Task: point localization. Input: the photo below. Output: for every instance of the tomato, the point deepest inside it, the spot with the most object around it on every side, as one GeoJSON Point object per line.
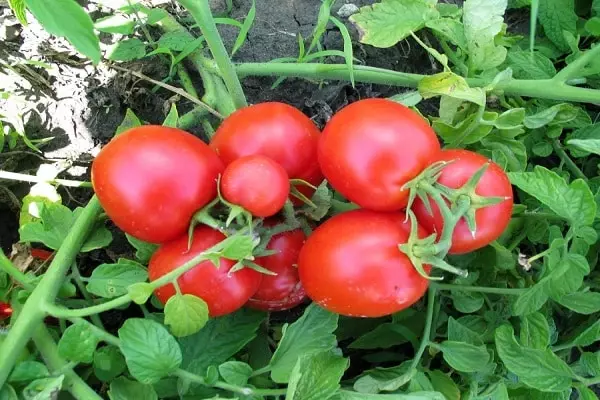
{"type": "Point", "coordinates": [491, 221]}
{"type": "Point", "coordinates": [152, 179]}
{"type": "Point", "coordinates": [276, 130]}
{"type": "Point", "coordinates": [351, 265]}
{"type": "Point", "coordinates": [5, 310]}
{"type": "Point", "coordinates": [371, 148]}
{"type": "Point", "coordinates": [223, 292]}
{"type": "Point", "coordinates": [257, 184]}
{"type": "Point", "coordinates": [41, 254]}
{"type": "Point", "coordinates": [284, 291]}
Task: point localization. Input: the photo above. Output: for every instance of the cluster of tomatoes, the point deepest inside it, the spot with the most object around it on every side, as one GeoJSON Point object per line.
{"type": "Point", "coordinates": [152, 180]}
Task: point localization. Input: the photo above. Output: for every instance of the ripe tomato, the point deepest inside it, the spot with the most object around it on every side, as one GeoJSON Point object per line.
{"type": "Point", "coordinates": [276, 130]}
{"type": "Point", "coordinates": [351, 265]}
{"type": "Point", "coordinates": [491, 221]}
{"type": "Point", "coordinates": [284, 291]}
{"type": "Point", "coordinates": [257, 184]}
{"type": "Point", "coordinates": [223, 292]}
{"type": "Point", "coordinates": [152, 179]}
{"type": "Point", "coordinates": [371, 148]}
{"type": "Point", "coordinates": [5, 310]}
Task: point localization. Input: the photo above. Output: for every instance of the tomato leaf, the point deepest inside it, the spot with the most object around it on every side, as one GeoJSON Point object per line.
{"type": "Point", "coordinates": [530, 65]}
{"type": "Point", "coordinates": [316, 376]}
{"type": "Point", "coordinates": [125, 389]}
{"type": "Point", "coordinates": [45, 388]}
{"type": "Point", "coordinates": [535, 331]}
{"type": "Point", "coordinates": [78, 343]}
{"type": "Point", "coordinates": [557, 16]}
{"type": "Point", "coordinates": [118, 23]}
{"type": "Point", "coordinates": [127, 50]}
{"type": "Point", "coordinates": [557, 114]}
{"type": "Point", "coordinates": [108, 363]}
{"type": "Point", "coordinates": [588, 336]}
{"type": "Point", "coordinates": [7, 392]}
{"type": "Point", "coordinates": [458, 332]}
{"type": "Point", "coordinates": [311, 333]}
{"type": "Point", "coordinates": [450, 84]}
{"type": "Point", "coordinates": [150, 351]}
{"type": "Point", "coordinates": [235, 372]}
{"type": "Point", "coordinates": [140, 292]}
{"type": "Point", "coordinates": [463, 356]}
{"type": "Point", "coordinates": [185, 314]}
{"type": "Point", "coordinates": [444, 384]}
{"type": "Point", "coordinates": [143, 249]}
{"type": "Point", "coordinates": [581, 302]}
{"type": "Point", "coordinates": [385, 24]}
{"type": "Point", "coordinates": [172, 117]}
{"type": "Point", "coordinates": [130, 121]}
{"type": "Point", "coordinates": [573, 201]}
{"type": "Point", "coordinates": [420, 395]}
{"type": "Point", "coordinates": [28, 371]}
{"type": "Point", "coordinates": [539, 369]}
{"type": "Point", "coordinates": [176, 40]}
{"type": "Point", "coordinates": [112, 280]}
{"type": "Point", "coordinates": [483, 20]}
{"type": "Point", "coordinates": [66, 18]}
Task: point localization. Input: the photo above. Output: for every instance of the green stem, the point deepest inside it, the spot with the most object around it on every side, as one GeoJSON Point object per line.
{"type": "Point", "coordinates": [564, 157]}
{"type": "Point", "coordinates": [86, 295]}
{"type": "Point", "coordinates": [192, 118]}
{"type": "Point", "coordinates": [573, 69]}
{"type": "Point", "coordinates": [479, 289]}
{"type": "Point", "coordinates": [46, 291]}
{"type": "Point", "coordinates": [7, 266]}
{"type": "Point", "coordinates": [36, 179]}
{"type": "Point", "coordinates": [246, 391]}
{"type": "Point", "coordinates": [186, 80]}
{"type": "Point", "coordinates": [426, 337]}
{"type": "Point", "coordinates": [200, 11]}
{"type": "Point", "coordinates": [49, 351]}
{"type": "Point", "coordinates": [62, 312]}
{"type": "Point", "coordinates": [542, 88]}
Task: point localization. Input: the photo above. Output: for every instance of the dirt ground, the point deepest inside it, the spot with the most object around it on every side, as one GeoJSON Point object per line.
{"type": "Point", "coordinates": [81, 105]}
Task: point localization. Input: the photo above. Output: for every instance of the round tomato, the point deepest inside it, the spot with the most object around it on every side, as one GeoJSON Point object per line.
{"type": "Point", "coordinates": [151, 180]}
{"type": "Point", "coordinates": [223, 292]}
{"type": "Point", "coordinates": [371, 148]}
{"type": "Point", "coordinates": [490, 221]}
{"type": "Point", "coordinates": [283, 291]}
{"type": "Point", "coordinates": [5, 310]}
{"type": "Point", "coordinates": [351, 265]}
{"type": "Point", "coordinates": [276, 130]}
{"type": "Point", "coordinates": [257, 184]}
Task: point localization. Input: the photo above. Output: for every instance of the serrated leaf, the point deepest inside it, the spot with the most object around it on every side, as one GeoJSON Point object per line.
{"type": "Point", "coordinates": [509, 154]}
{"type": "Point", "coordinates": [311, 333]}
{"type": "Point", "coordinates": [531, 300]}
{"type": "Point", "coordinates": [384, 379]}
{"type": "Point", "coordinates": [457, 332]}
{"type": "Point", "coordinates": [386, 23]}
{"type": "Point", "coordinates": [483, 21]}
{"type": "Point", "coordinates": [574, 201]}
{"type": "Point", "coordinates": [530, 65]}
{"type": "Point", "coordinates": [450, 84]}
{"type": "Point", "coordinates": [535, 331]}
{"type": "Point", "coordinates": [235, 372]}
{"type": "Point", "coordinates": [127, 50]}
{"type": "Point", "coordinates": [185, 314]}
{"type": "Point", "coordinates": [557, 114]}
{"type": "Point", "coordinates": [125, 389]}
{"type": "Point", "coordinates": [150, 351]}
{"type": "Point", "coordinates": [112, 280]}
{"type": "Point", "coordinates": [566, 276]}
{"type": "Point", "coordinates": [316, 376]}
{"type": "Point", "coordinates": [450, 29]}
{"type": "Point", "coordinates": [581, 302]}
{"type": "Point", "coordinates": [557, 16]}
{"type": "Point", "coordinates": [176, 40]}
{"type": "Point", "coordinates": [238, 247]}
{"type": "Point", "coordinates": [539, 369]}
{"type": "Point", "coordinates": [463, 356]}
{"type": "Point", "coordinates": [108, 363]}
{"type": "Point", "coordinates": [78, 343]}
{"type": "Point", "coordinates": [66, 18]}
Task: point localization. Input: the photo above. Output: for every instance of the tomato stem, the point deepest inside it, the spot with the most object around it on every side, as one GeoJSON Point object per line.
{"type": "Point", "coordinates": [564, 157]}
{"type": "Point", "coordinates": [426, 337]}
{"type": "Point", "coordinates": [480, 289]}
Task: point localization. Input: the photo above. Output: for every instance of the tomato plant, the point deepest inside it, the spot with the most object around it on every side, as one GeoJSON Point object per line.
{"type": "Point", "coordinates": [371, 148]}
{"type": "Point", "coordinates": [257, 184]}
{"type": "Point", "coordinates": [284, 290]}
{"type": "Point", "coordinates": [150, 181]}
{"type": "Point", "coordinates": [491, 220]}
{"type": "Point", "coordinates": [351, 265]}
{"type": "Point", "coordinates": [224, 292]}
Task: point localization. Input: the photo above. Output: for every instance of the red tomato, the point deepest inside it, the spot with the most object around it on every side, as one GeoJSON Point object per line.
{"type": "Point", "coordinates": [257, 184]}
{"type": "Point", "coordinates": [284, 291]}
{"type": "Point", "coordinates": [41, 254]}
{"type": "Point", "coordinates": [152, 179]}
{"type": "Point", "coordinates": [491, 221]}
{"type": "Point", "coordinates": [276, 130]}
{"type": "Point", "coordinates": [371, 148]}
{"type": "Point", "coordinates": [223, 292]}
{"type": "Point", "coordinates": [351, 265]}
{"type": "Point", "coordinates": [5, 310]}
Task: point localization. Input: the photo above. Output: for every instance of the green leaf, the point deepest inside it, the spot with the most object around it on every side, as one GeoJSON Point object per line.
{"type": "Point", "coordinates": [386, 23]}
{"type": "Point", "coordinates": [510, 119]}
{"type": "Point", "coordinates": [238, 247]}
{"type": "Point", "coordinates": [124, 389]}
{"type": "Point", "coordinates": [463, 356]}
{"type": "Point", "coordinates": [586, 393]}
{"type": "Point", "coordinates": [54, 226]}
{"type": "Point", "coordinates": [381, 337]}
{"type": "Point", "coordinates": [467, 131]}
{"type": "Point", "coordinates": [444, 384]}
{"type": "Point", "coordinates": [581, 302]}
{"type": "Point", "coordinates": [510, 154]}
{"type": "Point", "coordinates": [585, 134]}
{"type": "Point", "coordinates": [112, 280]}
{"type": "Point", "coordinates": [557, 16]}
{"type": "Point", "coordinates": [574, 201]}
{"type": "Point", "coordinates": [127, 50]}
{"type": "Point", "coordinates": [567, 276]}
{"type": "Point", "coordinates": [7, 392]}
{"type": "Point", "coordinates": [497, 392]}
{"type": "Point", "coordinates": [587, 145]}
{"type": "Point", "coordinates": [130, 121]}
{"type": "Point", "coordinates": [316, 376]}
{"type": "Point", "coordinates": [535, 331]}
{"type": "Point", "coordinates": [311, 333]}
{"type": "Point", "coordinates": [172, 117]}
{"type": "Point", "coordinates": [592, 25]}
{"type": "Point", "coordinates": [384, 379]}
{"type": "Point", "coordinates": [348, 395]}
{"type": "Point", "coordinates": [26, 371]}
{"type": "Point", "coordinates": [409, 99]}
{"type": "Point", "coordinates": [186, 314]}
{"type": "Point", "coordinates": [140, 292]}
{"type": "Point", "coordinates": [18, 8]}
{"type": "Point", "coordinates": [150, 351]}
{"type": "Point", "coordinates": [66, 18]}
{"type": "Point", "coordinates": [539, 369]}
{"type": "Point", "coordinates": [588, 336]}
{"type": "Point", "coordinates": [43, 389]}
{"type": "Point", "coordinates": [457, 332]}
{"type": "Point", "coordinates": [450, 84]}
{"type": "Point", "coordinates": [530, 65]}
{"type": "Point", "coordinates": [176, 40]}
{"type": "Point", "coordinates": [219, 340]}
{"type": "Point", "coordinates": [144, 250]}
{"type": "Point", "coordinates": [108, 363]}
{"type": "Point", "coordinates": [235, 372]}
{"type": "Point", "coordinates": [117, 23]}
{"type": "Point", "coordinates": [557, 114]}
{"type": "Point", "coordinates": [483, 21]}
{"type": "Point", "coordinates": [248, 21]}
{"type": "Point", "coordinates": [450, 29]}
{"type": "Point", "coordinates": [78, 343]}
